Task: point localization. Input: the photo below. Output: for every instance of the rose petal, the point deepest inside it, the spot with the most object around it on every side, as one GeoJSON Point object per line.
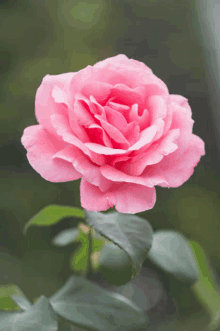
{"type": "Point", "coordinates": [123, 109]}
{"type": "Point", "coordinates": [119, 159]}
{"type": "Point", "coordinates": [83, 114]}
{"type": "Point", "coordinates": [61, 125]}
{"type": "Point", "coordinates": [59, 95]}
{"type": "Point", "coordinates": [77, 129]}
{"type": "Point", "coordinates": [136, 165]}
{"type": "Point", "coordinates": [182, 102]}
{"type": "Point", "coordinates": [179, 166]}
{"type": "Point", "coordinates": [182, 119]}
{"type": "Point", "coordinates": [116, 175]}
{"type": "Point", "coordinates": [135, 73]}
{"type": "Point", "coordinates": [99, 90]}
{"type": "Point", "coordinates": [116, 119]}
{"type": "Point", "coordinates": [157, 107]}
{"type": "Point", "coordinates": [118, 59]}
{"type": "Point", "coordinates": [145, 137]}
{"type": "Point", "coordinates": [142, 120]}
{"type": "Point", "coordinates": [127, 198]}
{"type": "Point", "coordinates": [41, 147]}
{"type": "Point", "coordinates": [129, 96]}
{"type": "Point", "coordinates": [113, 133]}
{"type": "Point", "coordinates": [94, 129]}
{"type": "Point", "coordinates": [45, 104]}
{"type": "Point", "coordinates": [99, 149]}
{"type": "Point", "coordinates": [132, 133]}
{"type": "Point", "coordinates": [84, 166]}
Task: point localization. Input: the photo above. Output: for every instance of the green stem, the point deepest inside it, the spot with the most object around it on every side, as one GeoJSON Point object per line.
{"type": "Point", "coordinates": [89, 266]}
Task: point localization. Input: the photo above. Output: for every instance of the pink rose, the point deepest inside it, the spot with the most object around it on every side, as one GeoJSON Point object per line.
{"type": "Point", "coordinates": [115, 126]}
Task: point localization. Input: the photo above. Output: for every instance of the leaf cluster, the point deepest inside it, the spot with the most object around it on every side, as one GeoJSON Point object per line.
{"type": "Point", "coordinates": [116, 245]}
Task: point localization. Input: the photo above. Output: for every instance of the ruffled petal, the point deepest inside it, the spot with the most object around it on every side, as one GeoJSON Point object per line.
{"type": "Point", "coordinates": [128, 96]}
{"type": "Point", "coordinates": [99, 149]}
{"type": "Point", "coordinates": [52, 90]}
{"type": "Point", "coordinates": [178, 167]}
{"type": "Point", "coordinates": [167, 145]}
{"type": "Point", "coordinates": [182, 119]}
{"type": "Point", "coordinates": [99, 90]}
{"type": "Point", "coordinates": [83, 114]}
{"type": "Point", "coordinates": [84, 166]}
{"type": "Point", "coordinates": [41, 147]}
{"type": "Point", "coordinates": [145, 137]}
{"type": "Point", "coordinates": [116, 175]}
{"type": "Point", "coordinates": [142, 120]}
{"type": "Point", "coordinates": [113, 133]}
{"type": "Point", "coordinates": [126, 197]}
{"type": "Point", "coordinates": [98, 135]}
{"type": "Point", "coordinates": [61, 125]}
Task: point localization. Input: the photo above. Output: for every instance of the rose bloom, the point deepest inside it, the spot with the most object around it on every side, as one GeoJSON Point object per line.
{"type": "Point", "coordinates": [115, 126]}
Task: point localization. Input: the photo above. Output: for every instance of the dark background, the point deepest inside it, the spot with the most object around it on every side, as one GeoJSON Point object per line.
{"type": "Point", "coordinates": [40, 37]}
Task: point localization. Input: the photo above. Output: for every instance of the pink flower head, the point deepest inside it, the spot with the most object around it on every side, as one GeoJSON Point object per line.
{"type": "Point", "coordinates": [115, 126]}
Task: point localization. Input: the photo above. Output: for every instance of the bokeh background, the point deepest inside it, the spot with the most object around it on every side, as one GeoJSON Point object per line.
{"type": "Point", "coordinates": [40, 37]}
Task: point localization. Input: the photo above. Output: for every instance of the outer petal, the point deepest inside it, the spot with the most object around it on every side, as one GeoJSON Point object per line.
{"type": "Point", "coordinates": [182, 119]}
{"type": "Point", "coordinates": [126, 67]}
{"type": "Point", "coordinates": [41, 147]}
{"type": "Point", "coordinates": [84, 166]}
{"type": "Point", "coordinates": [183, 102]}
{"type": "Point", "coordinates": [118, 176]}
{"type": "Point", "coordinates": [112, 62]}
{"type": "Point", "coordinates": [116, 62]}
{"type": "Point", "coordinates": [178, 167]}
{"type": "Point", "coordinates": [155, 153]}
{"type": "Point", "coordinates": [127, 198]}
{"type": "Point", "coordinates": [157, 108]}
{"type": "Point", "coordinates": [45, 104]}
{"type": "Point", "coordinates": [119, 70]}
{"type": "Point", "coordinates": [93, 75]}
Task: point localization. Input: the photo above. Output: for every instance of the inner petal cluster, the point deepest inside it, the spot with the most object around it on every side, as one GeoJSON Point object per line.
{"type": "Point", "coordinates": [115, 120]}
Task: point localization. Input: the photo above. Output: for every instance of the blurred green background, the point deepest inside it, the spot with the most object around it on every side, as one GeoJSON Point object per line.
{"type": "Point", "coordinates": [40, 37]}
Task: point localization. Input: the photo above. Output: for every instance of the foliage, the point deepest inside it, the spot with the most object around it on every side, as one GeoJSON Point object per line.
{"type": "Point", "coordinates": [115, 245]}
{"type": "Point", "coordinates": [81, 303]}
{"type": "Point", "coordinates": [51, 215]}
{"type": "Point", "coordinates": [172, 252]}
{"type": "Point", "coordinates": [131, 233]}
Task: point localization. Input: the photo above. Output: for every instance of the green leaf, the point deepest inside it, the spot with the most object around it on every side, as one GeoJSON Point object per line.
{"type": "Point", "coordinates": [22, 302]}
{"type": "Point", "coordinates": [6, 302]}
{"type": "Point", "coordinates": [87, 305]}
{"type": "Point", "coordinates": [53, 214]}
{"type": "Point", "coordinates": [131, 233]}
{"type": "Point", "coordinates": [65, 325]}
{"type": "Point", "coordinates": [206, 288]}
{"type": "Point", "coordinates": [66, 237]}
{"type": "Point", "coordinates": [40, 317]}
{"type": "Point", "coordinates": [172, 252]}
{"type": "Point", "coordinates": [6, 320]}
{"type": "Point", "coordinates": [114, 265]}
